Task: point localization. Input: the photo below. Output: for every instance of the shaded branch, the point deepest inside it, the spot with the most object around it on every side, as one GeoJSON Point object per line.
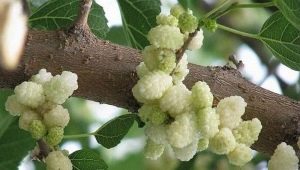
{"type": "Point", "coordinates": [106, 74]}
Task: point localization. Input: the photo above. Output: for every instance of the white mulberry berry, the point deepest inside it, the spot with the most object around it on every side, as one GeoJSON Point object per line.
{"type": "Point", "coordinates": [284, 157]}
{"type": "Point", "coordinates": [14, 107]}
{"type": "Point", "coordinates": [42, 77]}
{"type": "Point", "coordinates": [186, 153]}
{"type": "Point", "coordinates": [56, 160]}
{"type": "Point", "coordinates": [55, 135]}
{"type": "Point", "coordinates": [152, 86]}
{"type": "Point", "coordinates": [208, 122]}
{"type": "Point", "coordinates": [157, 133]}
{"type": "Point", "coordinates": [201, 95]}
{"type": "Point", "coordinates": [230, 110]}
{"type": "Point", "coordinates": [182, 131]}
{"type": "Point", "coordinates": [26, 118]}
{"type": "Point", "coordinates": [30, 94]}
{"type": "Point", "coordinates": [180, 70]}
{"type": "Point", "coordinates": [151, 113]}
{"type": "Point", "coordinates": [61, 87]}
{"type": "Point", "coordinates": [142, 70]}
{"type": "Point", "coordinates": [176, 100]}
{"type": "Point", "coordinates": [248, 131]}
{"type": "Point", "coordinates": [241, 155]}
{"type": "Point", "coordinates": [153, 150]}
{"type": "Point", "coordinates": [170, 20]}
{"type": "Point", "coordinates": [165, 36]}
{"type": "Point", "coordinates": [197, 41]}
{"type": "Point", "coordinates": [223, 142]}
{"type": "Point", "coordinates": [58, 116]}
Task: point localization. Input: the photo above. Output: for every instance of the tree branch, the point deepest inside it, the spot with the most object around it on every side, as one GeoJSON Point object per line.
{"type": "Point", "coordinates": [106, 74]}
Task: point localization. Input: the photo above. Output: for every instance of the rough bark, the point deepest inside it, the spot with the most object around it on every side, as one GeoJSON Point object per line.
{"type": "Point", "coordinates": [106, 74]}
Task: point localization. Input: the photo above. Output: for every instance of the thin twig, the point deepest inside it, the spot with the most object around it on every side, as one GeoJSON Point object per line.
{"type": "Point", "coordinates": [181, 51]}
{"type": "Point", "coordinates": [81, 21]}
{"type": "Point", "coordinates": [44, 149]}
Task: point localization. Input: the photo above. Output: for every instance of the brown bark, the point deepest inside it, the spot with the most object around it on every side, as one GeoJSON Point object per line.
{"type": "Point", "coordinates": [106, 74]}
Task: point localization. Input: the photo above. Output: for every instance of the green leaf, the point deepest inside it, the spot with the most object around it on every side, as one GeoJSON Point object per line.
{"type": "Point", "coordinates": [15, 144]}
{"type": "Point", "coordinates": [86, 160]}
{"type": "Point", "coordinates": [138, 17]}
{"type": "Point", "coordinates": [58, 14]}
{"type": "Point", "coordinates": [291, 10]}
{"type": "Point", "coordinates": [283, 39]}
{"type": "Point", "coordinates": [5, 118]}
{"type": "Point", "coordinates": [112, 132]}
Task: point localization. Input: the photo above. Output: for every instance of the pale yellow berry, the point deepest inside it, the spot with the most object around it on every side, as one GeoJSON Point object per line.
{"type": "Point", "coordinates": [153, 150]}
{"type": "Point", "coordinates": [57, 116]}
{"type": "Point", "coordinates": [162, 19]}
{"type": "Point", "coordinates": [197, 41]}
{"type": "Point", "coordinates": [177, 10]}
{"type": "Point", "coordinates": [14, 107]}
{"type": "Point", "coordinates": [241, 155]}
{"type": "Point", "coordinates": [182, 131]}
{"type": "Point", "coordinates": [248, 131]}
{"type": "Point", "coordinates": [42, 77]}
{"type": "Point", "coordinates": [208, 122]}
{"type": "Point", "coordinates": [157, 133]}
{"type": "Point", "coordinates": [176, 100]}
{"type": "Point", "coordinates": [56, 160]}
{"type": "Point", "coordinates": [165, 36]}
{"type": "Point", "coordinates": [37, 129]}
{"type": "Point", "coordinates": [223, 142]}
{"type": "Point", "coordinates": [55, 136]}
{"type": "Point", "coordinates": [186, 153]}
{"type": "Point", "coordinates": [284, 157]}
{"type": "Point", "coordinates": [180, 70]}
{"type": "Point", "coordinates": [152, 86]}
{"type": "Point", "coordinates": [187, 22]}
{"type": "Point", "coordinates": [142, 70]}
{"type": "Point", "coordinates": [230, 110]}
{"type": "Point", "coordinates": [30, 94]}
{"type": "Point", "coordinates": [201, 95]}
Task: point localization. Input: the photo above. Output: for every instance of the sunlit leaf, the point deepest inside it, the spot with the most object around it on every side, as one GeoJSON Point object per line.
{"type": "Point", "coordinates": [291, 10]}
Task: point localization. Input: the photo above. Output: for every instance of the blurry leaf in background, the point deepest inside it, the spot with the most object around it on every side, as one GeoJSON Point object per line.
{"type": "Point", "coordinates": [86, 159]}
{"type": "Point", "coordinates": [111, 133]}
{"type": "Point", "coordinates": [283, 39]}
{"type": "Point", "coordinates": [138, 17]}
{"type": "Point", "coordinates": [35, 4]}
{"type": "Point", "coordinates": [130, 162]}
{"type": "Point", "coordinates": [291, 10]}
{"type": "Point", "coordinates": [80, 119]}
{"type": "Point", "coordinates": [117, 35]}
{"type": "Point", "coordinates": [15, 143]}
{"type": "Point", "coordinates": [57, 14]}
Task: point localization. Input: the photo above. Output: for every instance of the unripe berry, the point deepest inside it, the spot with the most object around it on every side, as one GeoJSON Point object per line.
{"type": "Point", "coordinates": [159, 59]}
{"type": "Point", "coordinates": [37, 129]}
{"type": "Point", "coordinates": [153, 150]}
{"type": "Point", "coordinates": [223, 142]}
{"type": "Point", "coordinates": [165, 36]}
{"type": "Point", "coordinates": [177, 10]}
{"type": "Point", "coordinates": [54, 136]}
{"type": "Point", "coordinates": [30, 94]}
{"type": "Point", "coordinates": [166, 20]}
{"type": "Point", "coordinates": [56, 160]}
{"type": "Point", "coordinates": [26, 118]}
{"type": "Point", "coordinates": [151, 113]}
{"type": "Point", "coordinates": [202, 144]}
{"type": "Point", "coordinates": [57, 116]}
{"type": "Point", "coordinates": [187, 22]}
{"type": "Point", "coordinates": [241, 155]}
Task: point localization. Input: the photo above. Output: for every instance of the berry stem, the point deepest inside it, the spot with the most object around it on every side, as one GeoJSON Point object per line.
{"type": "Point", "coordinates": [84, 135]}
{"type": "Point", "coordinates": [234, 31]}
{"type": "Point", "coordinates": [233, 6]}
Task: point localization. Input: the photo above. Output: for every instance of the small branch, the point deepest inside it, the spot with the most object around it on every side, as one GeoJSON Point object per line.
{"type": "Point", "coordinates": [181, 51]}
{"type": "Point", "coordinates": [81, 21]}
{"type": "Point", "coordinates": [44, 149]}
{"type": "Point", "coordinates": [79, 135]}
{"type": "Point", "coordinates": [234, 31]}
